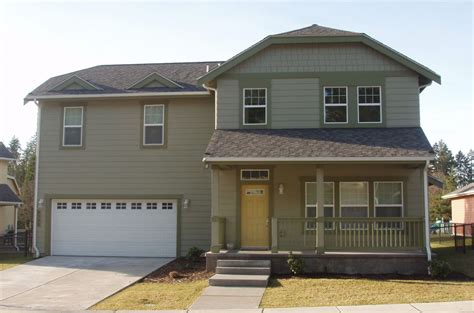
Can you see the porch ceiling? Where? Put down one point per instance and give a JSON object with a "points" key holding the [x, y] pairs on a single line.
{"points": [[337, 144]]}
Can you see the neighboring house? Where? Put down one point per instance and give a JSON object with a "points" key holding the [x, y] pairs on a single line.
{"points": [[9, 195], [462, 205], [134, 160]]}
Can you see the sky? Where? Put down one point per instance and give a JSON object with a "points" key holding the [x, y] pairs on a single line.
{"points": [[39, 40]]}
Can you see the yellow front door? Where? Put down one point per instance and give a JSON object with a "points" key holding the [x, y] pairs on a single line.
{"points": [[254, 216]]}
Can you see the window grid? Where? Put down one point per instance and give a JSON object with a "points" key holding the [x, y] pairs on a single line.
{"points": [[106, 205], [153, 124], [67, 126], [379, 204], [369, 97], [152, 206], [362, 205], [91, 206], [335, 97], [254, 98], [76, 206], [136, 206], [254, 174], [121, 206], [167, 206], [61, 206], [308, 206]]}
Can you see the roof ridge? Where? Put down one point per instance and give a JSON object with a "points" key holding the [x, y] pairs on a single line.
{"points": [[159, 63]]}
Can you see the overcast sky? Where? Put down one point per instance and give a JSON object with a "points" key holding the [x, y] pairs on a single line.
{"points": [[39, 40]]}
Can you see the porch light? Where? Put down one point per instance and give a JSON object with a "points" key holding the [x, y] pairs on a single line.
{"points": [[281, 189], [185, 203], [40, 203]]}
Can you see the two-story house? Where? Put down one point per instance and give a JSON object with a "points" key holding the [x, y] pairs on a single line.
{"points": [[307, 141]]}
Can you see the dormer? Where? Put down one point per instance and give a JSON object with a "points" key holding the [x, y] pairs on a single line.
{"points": [[154, 80], [75, 83]]}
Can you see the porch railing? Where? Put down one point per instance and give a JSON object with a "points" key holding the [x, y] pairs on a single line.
{"points": [[348, 234]]}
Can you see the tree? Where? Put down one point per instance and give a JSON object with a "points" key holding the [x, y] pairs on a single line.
{"points": [[470, 159], [15, 148], [444, 160], [463, 170]]}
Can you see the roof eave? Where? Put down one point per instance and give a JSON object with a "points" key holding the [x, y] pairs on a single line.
{"points": [[315, 159], [458, 195]]}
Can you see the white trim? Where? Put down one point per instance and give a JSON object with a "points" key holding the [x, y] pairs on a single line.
{"points": [[426, 209], [151, 74], [118, 95], [317, 159], [401, 206], [369, 104], [335, 105], [254, 107], [254, 169], [154, 124], [73, 126], [459, 194], [10, 203], [76, 77], [35, 204]]}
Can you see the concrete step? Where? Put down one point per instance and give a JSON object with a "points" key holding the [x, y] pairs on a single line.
{"points": [[243, 270], [243, 263], [233, 280]]}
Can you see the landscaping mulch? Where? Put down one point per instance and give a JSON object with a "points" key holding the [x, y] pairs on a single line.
{"points": [[180, 270]]}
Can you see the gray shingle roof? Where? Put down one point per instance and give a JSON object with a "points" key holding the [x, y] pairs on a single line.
{"points": [[5, 153], [117, 78], [316, 30], [319, 143], [461, 192], [8, 195]]}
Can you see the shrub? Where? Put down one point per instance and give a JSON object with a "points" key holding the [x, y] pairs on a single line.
{"points": [[194, 254], [295, 264], [439, 269]]}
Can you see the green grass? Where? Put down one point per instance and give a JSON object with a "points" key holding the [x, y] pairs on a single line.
{"points": [[154, 296], [11, 260], [461, 262], [302, 292]]}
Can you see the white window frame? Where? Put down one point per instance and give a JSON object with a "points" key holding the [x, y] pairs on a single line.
{"points": [[402, 206], [162, 124], [254, 106], [369, 104], [254, 169], [352, 205], [336, 105], [81, 126], [315, 205]]}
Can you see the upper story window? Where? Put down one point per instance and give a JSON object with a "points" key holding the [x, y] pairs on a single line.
{"points": [[255, 106], [153, 124], [369, 104], [73, 123], [335, 105]]}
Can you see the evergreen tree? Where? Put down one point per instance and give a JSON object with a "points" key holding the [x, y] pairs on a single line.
{"points": [[462, 169], [444, 160], [15, 148], [470, 171]]}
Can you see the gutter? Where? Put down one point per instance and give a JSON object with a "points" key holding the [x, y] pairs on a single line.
{"points": [[35, 205], [427, 214], [318, 159], [117, 95]]}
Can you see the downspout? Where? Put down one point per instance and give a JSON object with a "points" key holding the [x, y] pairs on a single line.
{"points": [[215, 103], [427, 214], [35, 205]]}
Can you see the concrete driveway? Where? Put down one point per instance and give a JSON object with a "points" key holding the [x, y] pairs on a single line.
{"points": [[70, 283]]}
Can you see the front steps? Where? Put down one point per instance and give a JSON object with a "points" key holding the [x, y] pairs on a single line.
{"points": [[241, 273]]}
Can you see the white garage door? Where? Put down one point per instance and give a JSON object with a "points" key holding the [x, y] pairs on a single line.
{"points": [[106, 227]]}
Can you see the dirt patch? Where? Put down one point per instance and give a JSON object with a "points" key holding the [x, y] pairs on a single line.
{"points": [[180, 270]]}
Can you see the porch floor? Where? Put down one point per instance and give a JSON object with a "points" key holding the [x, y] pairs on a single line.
{"points": [[240, 253]]}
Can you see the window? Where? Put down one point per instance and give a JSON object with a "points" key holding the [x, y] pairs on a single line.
{"points": [[72, 131], [152, 206], [153, 125], [254, 174], [369, 103], [167, 206], [76, 206], [335, 105], [91, 206], [311, 203], [255, 106], [61, 206], [354, 202], [388, 202], [121, 206], [136, 206], [106, 205]]}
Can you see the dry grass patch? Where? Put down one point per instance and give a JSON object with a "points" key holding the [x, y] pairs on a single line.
{"points": [[461, 262], [10, 260], [301, 292]]}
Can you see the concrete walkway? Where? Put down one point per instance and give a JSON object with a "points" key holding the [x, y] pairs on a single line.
{"points": [[70, 283], [225, 298], [437, 307]]}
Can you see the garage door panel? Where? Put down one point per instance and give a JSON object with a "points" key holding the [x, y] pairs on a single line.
{"points": [[116, 229]]}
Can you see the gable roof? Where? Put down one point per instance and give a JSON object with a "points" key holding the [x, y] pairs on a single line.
{"points": [[319, 144], [5, 154], [8, 196], [74, 80], [154, 77], [467, 190], [116, 80], [320, 34]]}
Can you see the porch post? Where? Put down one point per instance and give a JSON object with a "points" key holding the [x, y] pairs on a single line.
{"points": [[215, 244], [15, 229], [426, 211], [320, 210]]}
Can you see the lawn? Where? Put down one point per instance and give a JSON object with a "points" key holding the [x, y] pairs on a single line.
{"points": [[11, 260], [162, 291], [461, 262]]}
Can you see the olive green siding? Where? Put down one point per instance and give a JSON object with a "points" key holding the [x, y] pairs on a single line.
{"points": [[402, 101], [227, 104], [113, 163], [295, 103], [293, 177], [334, 57]]}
